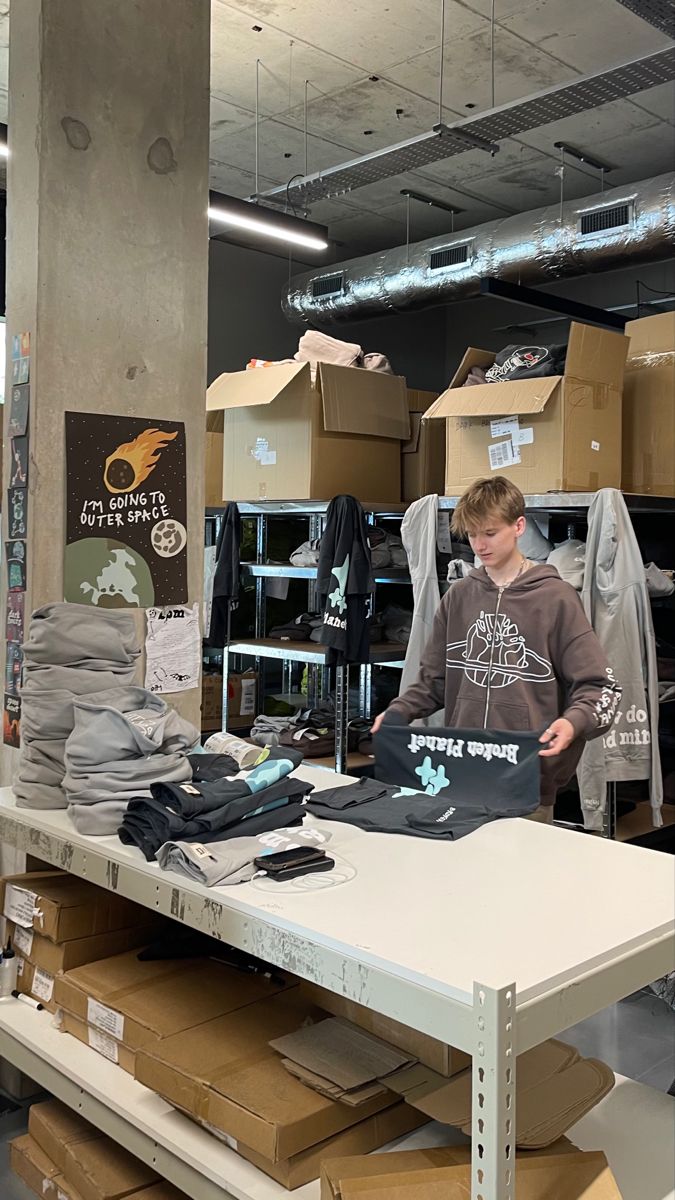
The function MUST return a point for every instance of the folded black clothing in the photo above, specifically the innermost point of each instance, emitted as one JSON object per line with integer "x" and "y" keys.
{"x": 526, "y": 362}
{"x": 148, "y": 823}
{"x": 209, "y": 768}
{"x": 402, "y": 811}
{"x": 299, "y": 629}
{"x": 359, "y": 792}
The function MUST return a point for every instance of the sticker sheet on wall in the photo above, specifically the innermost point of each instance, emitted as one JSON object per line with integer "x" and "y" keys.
{"x": 16, "y": 549}
{"x": 126, "y": 514}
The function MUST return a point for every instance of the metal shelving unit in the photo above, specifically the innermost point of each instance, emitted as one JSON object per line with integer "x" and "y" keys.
{"x": 512, "y": 974}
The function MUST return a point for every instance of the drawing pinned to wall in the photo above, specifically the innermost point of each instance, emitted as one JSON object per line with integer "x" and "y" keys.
{"x": 126, "y": 534}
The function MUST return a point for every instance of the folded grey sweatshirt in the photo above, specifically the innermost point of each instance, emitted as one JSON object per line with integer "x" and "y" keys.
{"x": 77, "y": 635}
{"x": 123, "y": 740}
{"x": 71, "y": 650}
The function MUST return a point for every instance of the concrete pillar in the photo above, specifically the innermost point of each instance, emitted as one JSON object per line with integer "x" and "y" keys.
{"x": 107, "y": 242}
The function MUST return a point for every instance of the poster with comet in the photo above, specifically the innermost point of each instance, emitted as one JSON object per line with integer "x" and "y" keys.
{"x": 126, "y": 522}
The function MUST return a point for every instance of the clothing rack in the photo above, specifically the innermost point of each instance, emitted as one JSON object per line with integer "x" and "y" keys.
{"x": 543, "y": 506}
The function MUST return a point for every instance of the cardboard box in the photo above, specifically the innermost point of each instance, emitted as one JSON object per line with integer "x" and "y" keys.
{"x": 139, "y": 1002}
{"x": 109, "y": 1047}
{"x": 224, "y": 1074}
{"x": 567, "y": 427}
{"x": 62, "y": 907}
{"x": 212, "y": 702}
{"x": 31, "y": 1164}
{"x": 100, "y": 1169}
{"x": 434, "y": 1054}
{"x": 242, "y": 700}
{"x": 649, "y": 407}
{"x": 371, "y": 1134}
{"x": 213, "y": 463}
{"x": 36, "y": 982}
{"x": 65, "y": 956}
{"x": 574, "y": 1176}
{"x": 423, "y": 456}
{"x": 287, "y": 437}
{"x": 53, "y": 1127}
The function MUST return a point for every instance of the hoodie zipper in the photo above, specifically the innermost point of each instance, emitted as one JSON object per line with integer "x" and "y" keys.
{"x": 500, "y": 593}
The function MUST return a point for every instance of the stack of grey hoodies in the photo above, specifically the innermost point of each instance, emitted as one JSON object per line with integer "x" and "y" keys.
{"x": 92, "y": 740}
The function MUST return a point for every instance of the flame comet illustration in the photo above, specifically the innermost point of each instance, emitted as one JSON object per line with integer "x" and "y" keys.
{"x": 131, "y": 463}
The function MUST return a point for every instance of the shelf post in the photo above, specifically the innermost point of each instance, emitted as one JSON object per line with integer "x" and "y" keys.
{"x": 493, "y": 1107}
{"x": 341, "y": 718}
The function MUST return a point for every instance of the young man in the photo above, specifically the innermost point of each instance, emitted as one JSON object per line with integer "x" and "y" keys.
{"x": 511, "y": 647}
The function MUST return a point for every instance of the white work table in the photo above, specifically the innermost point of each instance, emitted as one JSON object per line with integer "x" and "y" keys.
{"x": 491, "y": 944}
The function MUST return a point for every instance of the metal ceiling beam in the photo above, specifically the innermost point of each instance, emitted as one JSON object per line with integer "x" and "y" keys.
{"x": 447, "y": 141}
{"x": 659, "y": 13}
{"x": 516, "y": 293}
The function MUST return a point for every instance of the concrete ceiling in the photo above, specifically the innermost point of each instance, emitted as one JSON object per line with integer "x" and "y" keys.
{"x": 339, "y": 47}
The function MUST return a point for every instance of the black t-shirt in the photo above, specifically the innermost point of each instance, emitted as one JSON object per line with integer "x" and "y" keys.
{"x": 462, "y": 767}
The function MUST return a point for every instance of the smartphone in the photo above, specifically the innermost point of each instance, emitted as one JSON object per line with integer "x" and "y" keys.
{"x": 308, "y": 868}
{"x": 288, "y": 858}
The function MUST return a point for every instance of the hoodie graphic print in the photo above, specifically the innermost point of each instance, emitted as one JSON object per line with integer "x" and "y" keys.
{"x": 515, "y": 659}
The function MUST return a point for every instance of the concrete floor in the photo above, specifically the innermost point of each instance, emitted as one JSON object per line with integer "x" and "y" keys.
{"x": 636, "y": 1037}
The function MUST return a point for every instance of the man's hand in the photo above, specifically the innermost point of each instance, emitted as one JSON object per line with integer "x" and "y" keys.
{"x": 376, "y": 723}
{"x": 559, "y": 735}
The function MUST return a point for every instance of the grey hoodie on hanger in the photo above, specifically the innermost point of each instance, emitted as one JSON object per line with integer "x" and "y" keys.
{"x": 617, "y": 605}
{"x": 419, "y": 531}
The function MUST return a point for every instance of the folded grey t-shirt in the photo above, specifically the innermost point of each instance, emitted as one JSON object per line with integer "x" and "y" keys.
{"x": 232, "y": 861}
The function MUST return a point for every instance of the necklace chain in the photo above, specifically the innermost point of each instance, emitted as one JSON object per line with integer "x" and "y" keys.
{"x": 518, "y": 573}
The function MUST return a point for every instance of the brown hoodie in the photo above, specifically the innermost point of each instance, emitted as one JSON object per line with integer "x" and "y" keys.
{"x": 515, "y": 658}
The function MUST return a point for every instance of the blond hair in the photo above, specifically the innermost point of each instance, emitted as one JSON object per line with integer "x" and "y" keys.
{"x": 485, "y": 499}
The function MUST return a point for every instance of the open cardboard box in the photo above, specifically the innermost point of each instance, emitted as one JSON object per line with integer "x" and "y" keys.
{"x": 224, "y": 1073}
{"x": 555, "y": 433}
{"x": 423, "y": 455}
{"x": 289, "y": 437}
{"x": 649, "y": 407}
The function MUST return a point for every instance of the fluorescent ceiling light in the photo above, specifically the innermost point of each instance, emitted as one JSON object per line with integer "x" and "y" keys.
{"x": 240, "y": 214}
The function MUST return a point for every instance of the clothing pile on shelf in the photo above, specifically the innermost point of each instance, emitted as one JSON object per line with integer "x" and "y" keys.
{"x": 315, "y": 347}
{"x": 310, "y": 731}
{"x": 386, "y": 550}
{"x": 218, "y": 803}
{"x": 72, "y": 651}
{"x": 569, "y": 560}
{"x": 391, "y": 625}
{"x": 526, "y": 362}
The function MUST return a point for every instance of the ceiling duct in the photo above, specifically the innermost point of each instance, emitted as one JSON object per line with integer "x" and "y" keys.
{"x": 630, "y": 224}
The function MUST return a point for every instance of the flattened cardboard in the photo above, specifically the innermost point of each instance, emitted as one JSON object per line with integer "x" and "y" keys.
{"x": 434, "y": 1054}
{"x": 287, "y": 438}
{"x": 100, "y": 1169}
{"x": 370, "y": 1134}
{"x": 338, "y": 1175}
{"x": 224, "y": 1073}
{"x": 68, "y": 907}
{"x": 649, "y": 407}
{"x": 65, "y": 956}
{"x": 151, "y": 1000}
{"x": 572, "y": 1177}
{"x": 53, "y": 1126}
{"x": 341, "y": 1052}
{"x": 31, "y": 1164}
{"x": 356, "y": 1096}
{"x": 161, "y": 1191}
{"x": 105, "y": 1045}
{"x": 576, "y": 419}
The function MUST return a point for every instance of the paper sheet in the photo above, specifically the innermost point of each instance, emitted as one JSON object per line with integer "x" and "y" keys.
{"x": 173, "y": 647}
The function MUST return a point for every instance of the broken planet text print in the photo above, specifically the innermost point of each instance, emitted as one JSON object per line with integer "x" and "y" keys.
{"x": 126, "y": 537}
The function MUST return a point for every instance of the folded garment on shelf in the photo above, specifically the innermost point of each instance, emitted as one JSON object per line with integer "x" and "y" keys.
{"x": 72, "y": 650}
{"x": 377, "y": 362}
{"x": 307, "y": 555}
{"x": 266, "y": 731}
{"x": 313, "y": 742}
{"x": 532, "y": 542}
{"x": 123, "y": 740}
{"x": 658, "y": 582}
{"x": 211, "y": 811}
{"x": 300, "y": 629}
{"x": 397, "y": 623}
{"x": 458, "y": 569}
{"x": 231, "y": 862}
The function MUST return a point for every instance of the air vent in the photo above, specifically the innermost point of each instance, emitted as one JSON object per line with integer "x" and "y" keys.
{"x": 606, "y": 218}
{"x": 330, "y": 285}
{"x": 452, "y": 256}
